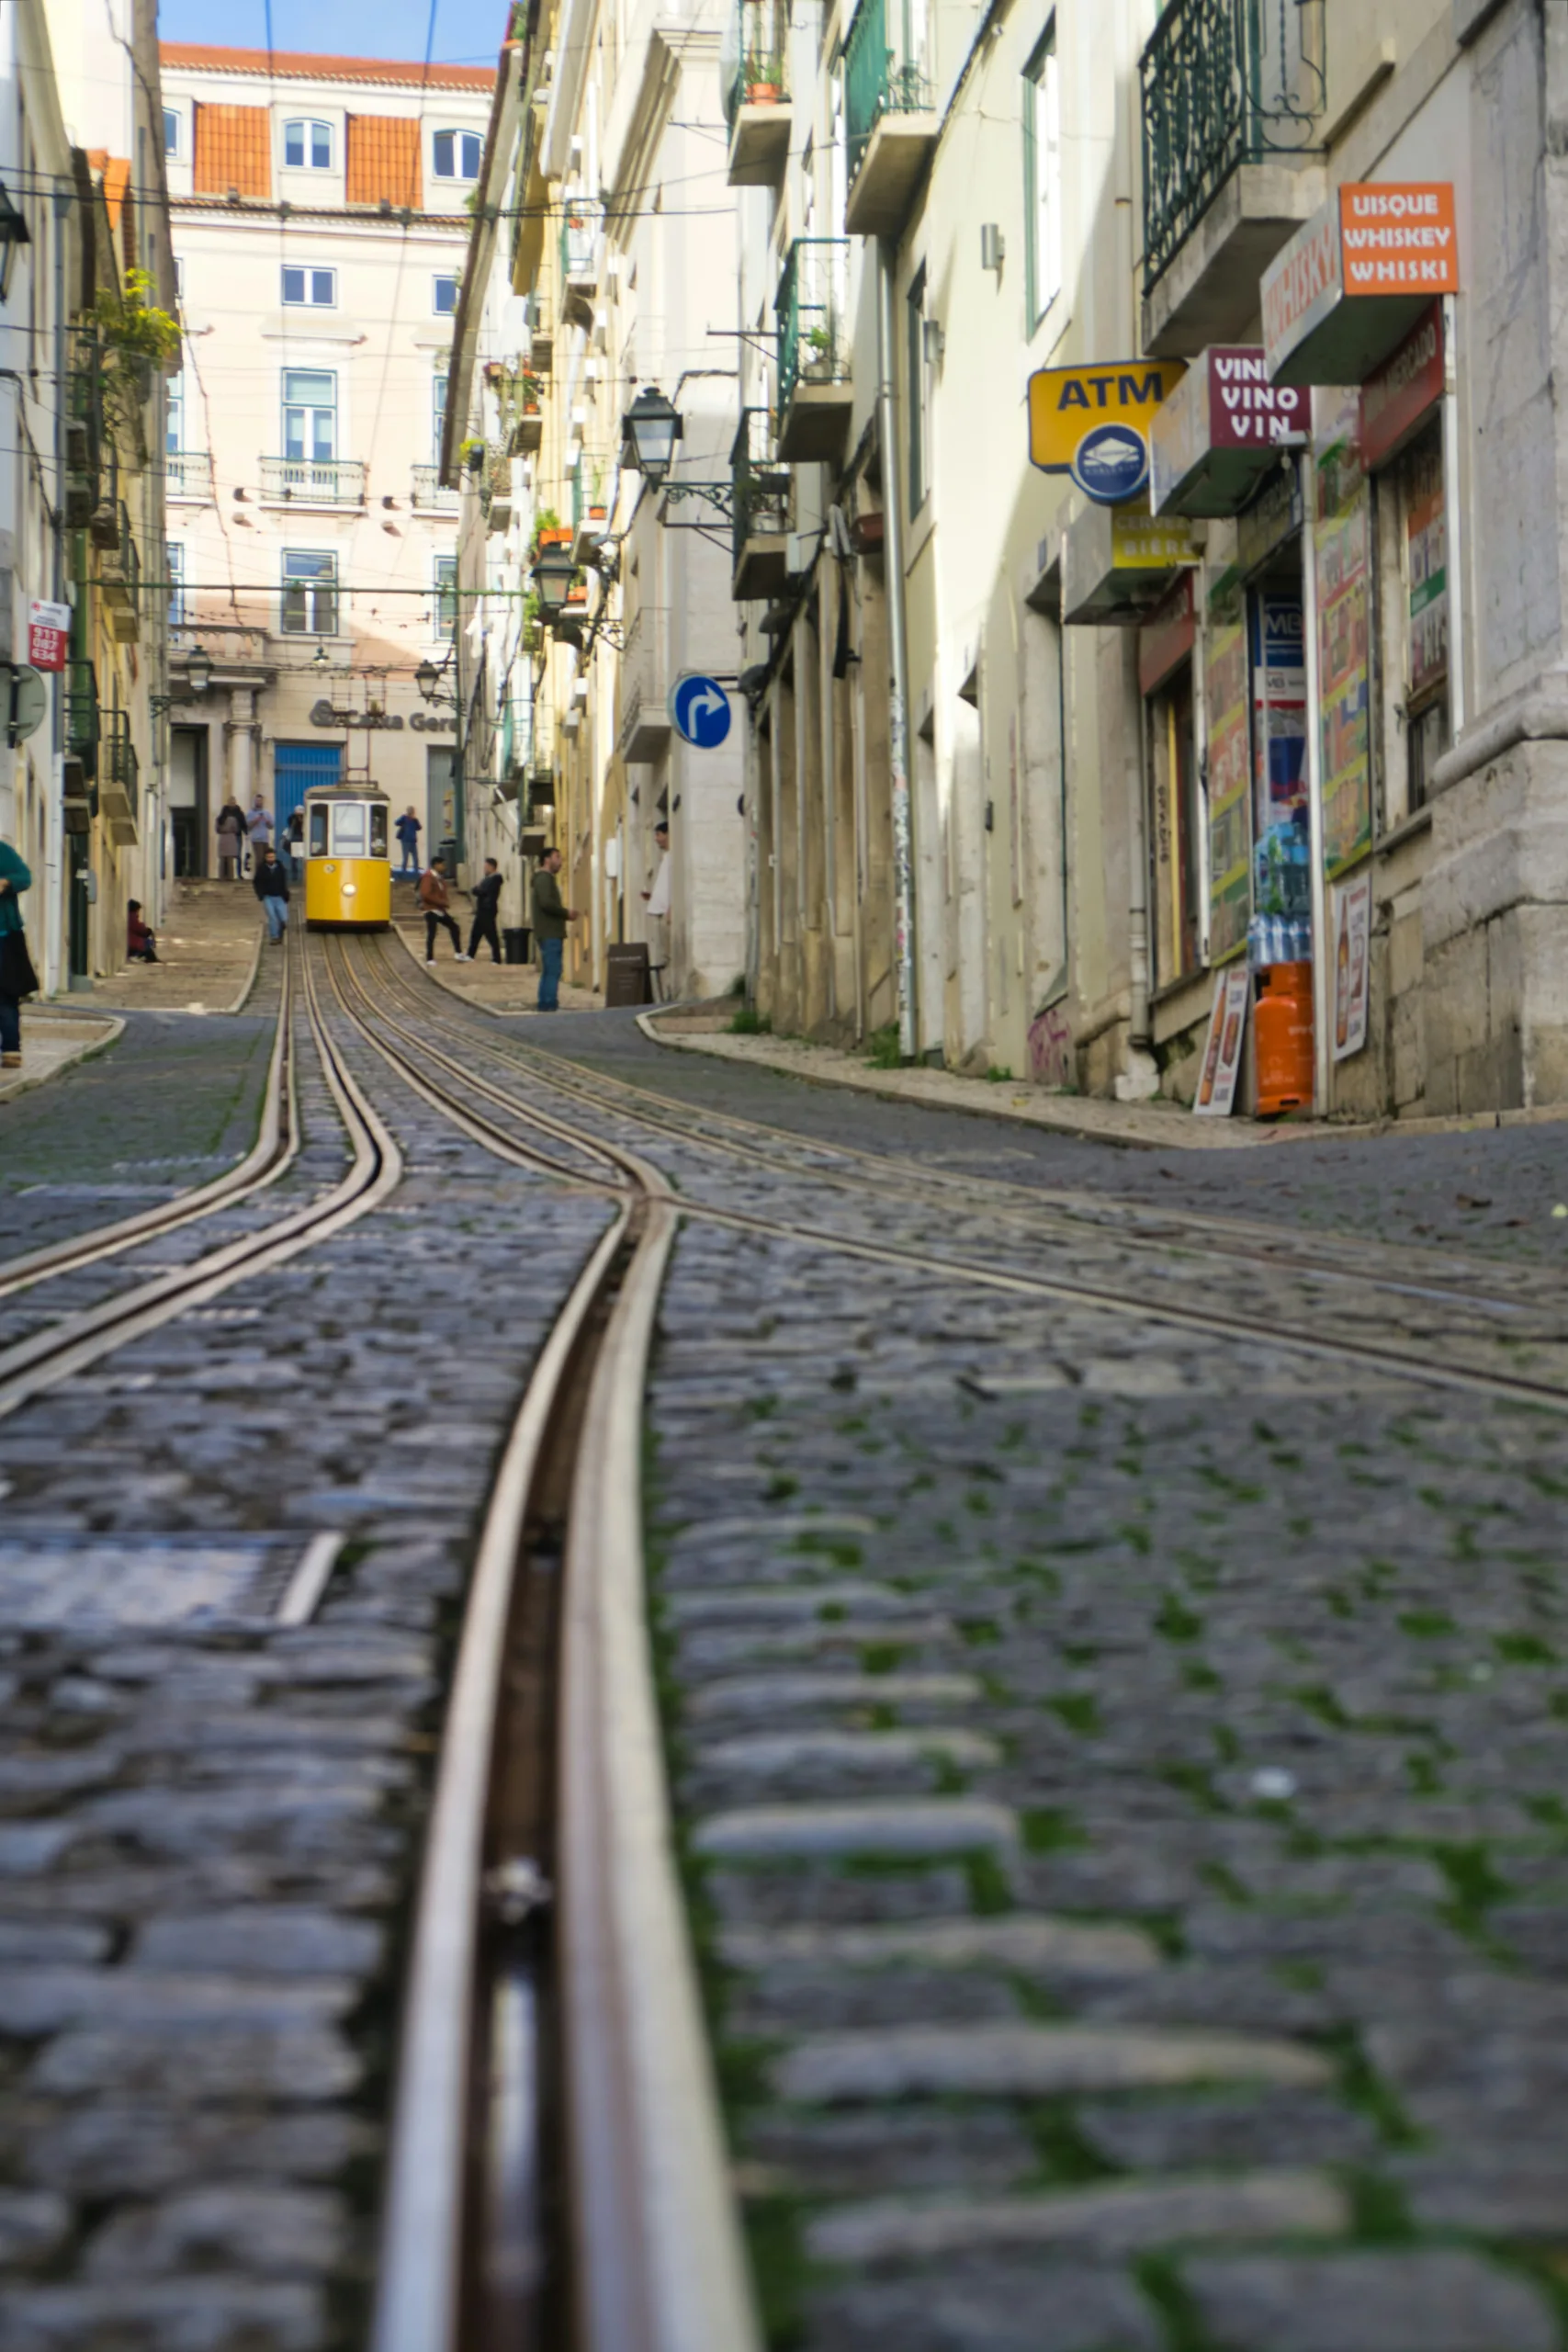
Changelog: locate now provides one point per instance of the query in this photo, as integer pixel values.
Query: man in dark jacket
(487, 900)
(551, 917)
(15, 876)
(271, 885)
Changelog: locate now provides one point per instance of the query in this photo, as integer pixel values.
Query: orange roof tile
(383, 159)
(297, 65)
(115, 173)
(231, 151)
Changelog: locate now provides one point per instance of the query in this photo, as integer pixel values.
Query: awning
(1355, 281)
(1220, 431)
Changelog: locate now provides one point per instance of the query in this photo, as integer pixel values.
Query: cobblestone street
(1109, 1621)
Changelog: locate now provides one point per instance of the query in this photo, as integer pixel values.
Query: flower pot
(763, 94)
(596, 513)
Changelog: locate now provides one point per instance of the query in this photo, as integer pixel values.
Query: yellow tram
(348, 875)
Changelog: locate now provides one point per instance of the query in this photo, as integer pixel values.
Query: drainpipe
(1322, 946)
(897, 664)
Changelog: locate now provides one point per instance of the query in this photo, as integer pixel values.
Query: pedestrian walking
(295, 837)
(271, 885)
(141, 946)
(551, 916)
(408, 829)
(487, 903)
(231, 831)
(17, 977)
(437, 909)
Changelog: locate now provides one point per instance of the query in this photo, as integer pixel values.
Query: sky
(465, 35)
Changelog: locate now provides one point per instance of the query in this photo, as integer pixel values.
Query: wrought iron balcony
(118, 778)
(314, 482)
(889, 120)
(761, 491)
(581, 243)
(1224, 83)
(429, 496)
(82, 715)
(188, 473)
(811, 308)
(120, 573)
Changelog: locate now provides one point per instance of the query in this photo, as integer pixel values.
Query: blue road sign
(699, 710)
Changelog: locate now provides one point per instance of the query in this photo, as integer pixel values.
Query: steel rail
(78, 1341)
(1214, 1236)
(270, 1157)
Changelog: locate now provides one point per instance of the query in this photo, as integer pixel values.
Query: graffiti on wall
(1051, 1048)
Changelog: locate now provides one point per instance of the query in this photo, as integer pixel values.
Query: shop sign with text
(1093, 424)
(1350, 283)
(1218, 430)
(48, 635)
(1395, 401)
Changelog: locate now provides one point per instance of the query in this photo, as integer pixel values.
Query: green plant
(749, 1023)
(471, 453)
(882, 1048)
(135, 338)
(531, 387)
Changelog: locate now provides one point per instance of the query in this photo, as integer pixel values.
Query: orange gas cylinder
(1281, 1035)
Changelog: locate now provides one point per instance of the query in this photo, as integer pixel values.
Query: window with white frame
(1043, 176)
(171, 130)
(446, 616)
(316, 289)
(445, 297)
(310, 594)
(438, 414)
(179, 279)
(458, 154)
(309, 415)
(308, 146)
(177, 555)
(175, 416)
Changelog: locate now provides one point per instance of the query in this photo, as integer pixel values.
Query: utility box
(627, 979)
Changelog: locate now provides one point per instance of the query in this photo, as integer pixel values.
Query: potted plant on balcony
(549, 532)
(597, 510)
(531, 388)
(763, 86)
(818, 364)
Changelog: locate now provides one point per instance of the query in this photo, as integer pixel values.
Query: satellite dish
(29, 700)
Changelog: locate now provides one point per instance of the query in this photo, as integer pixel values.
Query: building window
(179, 279)
(309, 415)
(175, 416)
(1043, 176)
(920, 401)
(316, 289)
(177, 555)
(310, 595)
(458, 154)
(438, 415)
(445, 297)
(308, 146)
(446, 598)
(171, 130)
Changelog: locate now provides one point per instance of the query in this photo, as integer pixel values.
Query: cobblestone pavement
(207, 1821)
(1116, 1721)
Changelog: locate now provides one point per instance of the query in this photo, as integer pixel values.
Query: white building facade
(321, 214)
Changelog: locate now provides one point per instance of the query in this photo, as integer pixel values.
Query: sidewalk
(495, 988)
(1142, 1127)
(51, 1042)
(208, 951)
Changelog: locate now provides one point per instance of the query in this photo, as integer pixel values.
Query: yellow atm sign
(1093, 422)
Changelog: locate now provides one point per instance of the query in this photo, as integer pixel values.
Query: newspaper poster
(1352, 955)
(1230, 774)
(1221, 1052)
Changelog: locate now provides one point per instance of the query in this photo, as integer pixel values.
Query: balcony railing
(314, 482)
(429, 496)
(879, 78)
(580, 243)
(810, 308)
(760, 77)
(117, 763)
(762, 483)
(188, 473)
(82, 715)
(1224, 83)
(119, 571)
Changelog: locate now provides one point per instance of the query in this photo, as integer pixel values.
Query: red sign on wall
(1409, 382)
(48, 635)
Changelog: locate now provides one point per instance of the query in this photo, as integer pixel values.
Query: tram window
(348, 831)
(377, 829)
(318, 829)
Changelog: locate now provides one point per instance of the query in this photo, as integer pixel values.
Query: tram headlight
(349, 889)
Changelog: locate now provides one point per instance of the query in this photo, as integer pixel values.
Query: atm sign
(1093, 422)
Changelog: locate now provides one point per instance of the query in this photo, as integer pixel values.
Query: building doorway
(187, 801)
(295, 767)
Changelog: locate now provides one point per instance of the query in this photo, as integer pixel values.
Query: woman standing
(17, 977)
(231, 831)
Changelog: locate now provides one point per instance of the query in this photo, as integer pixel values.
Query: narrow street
(1106, 1619)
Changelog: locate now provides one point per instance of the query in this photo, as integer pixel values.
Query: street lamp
(320, 660)
(198, 669)
(427, 677)
(650, 430)
(554, 572)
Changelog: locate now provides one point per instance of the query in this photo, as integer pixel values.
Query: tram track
(77, 1340)
(270, 1157)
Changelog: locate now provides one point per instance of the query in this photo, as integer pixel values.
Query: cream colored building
(321, 214)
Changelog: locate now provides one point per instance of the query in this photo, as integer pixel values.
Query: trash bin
(514, 944)
(447, 850)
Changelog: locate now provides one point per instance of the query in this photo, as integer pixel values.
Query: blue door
(297, 767)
